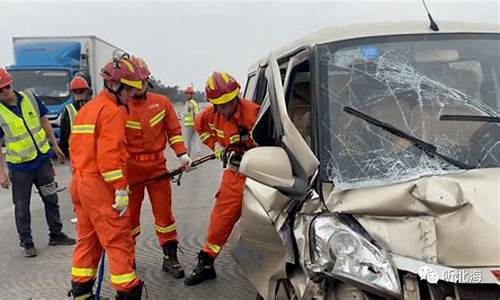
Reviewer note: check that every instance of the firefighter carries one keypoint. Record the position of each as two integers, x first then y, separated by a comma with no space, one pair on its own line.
151,124
29,144
81,94
99,188
192,110
223,126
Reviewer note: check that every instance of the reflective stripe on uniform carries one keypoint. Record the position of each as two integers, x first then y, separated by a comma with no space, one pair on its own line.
83,272
112,175
133,125
215,248
10,138
136,230
176,139
122,278
204,136
29,150
20,153
220,133
211,126
234,139
166,229
157,118
83,297
83,128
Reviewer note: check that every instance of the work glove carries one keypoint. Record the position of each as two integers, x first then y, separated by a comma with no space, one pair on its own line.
121,201
218,151
185,161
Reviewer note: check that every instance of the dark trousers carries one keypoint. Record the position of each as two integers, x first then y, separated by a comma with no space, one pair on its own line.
21,196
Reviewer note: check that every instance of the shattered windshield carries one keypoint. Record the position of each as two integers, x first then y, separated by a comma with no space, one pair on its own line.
407,82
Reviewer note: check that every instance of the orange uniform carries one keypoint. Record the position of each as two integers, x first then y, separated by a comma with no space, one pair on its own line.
151,123
213,127
98,156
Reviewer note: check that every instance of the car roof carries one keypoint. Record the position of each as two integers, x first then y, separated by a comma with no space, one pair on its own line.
339,33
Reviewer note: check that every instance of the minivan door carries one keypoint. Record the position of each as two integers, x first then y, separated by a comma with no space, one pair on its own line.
304,162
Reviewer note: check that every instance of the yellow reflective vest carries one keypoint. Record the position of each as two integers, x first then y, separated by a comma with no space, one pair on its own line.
72,112
24,136
192,111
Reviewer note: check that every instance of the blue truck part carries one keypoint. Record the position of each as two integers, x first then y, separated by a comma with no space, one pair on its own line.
46,69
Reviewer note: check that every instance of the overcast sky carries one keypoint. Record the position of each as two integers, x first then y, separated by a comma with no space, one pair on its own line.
184,42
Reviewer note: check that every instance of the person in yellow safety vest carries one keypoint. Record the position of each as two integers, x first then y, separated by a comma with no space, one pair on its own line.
82,93
192,110
27,132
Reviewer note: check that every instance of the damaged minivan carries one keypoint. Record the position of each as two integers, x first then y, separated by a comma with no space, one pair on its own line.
378,171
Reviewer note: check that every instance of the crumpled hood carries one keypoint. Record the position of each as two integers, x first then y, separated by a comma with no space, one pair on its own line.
451,219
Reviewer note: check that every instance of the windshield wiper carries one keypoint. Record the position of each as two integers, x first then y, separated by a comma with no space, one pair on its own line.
427,148
472,118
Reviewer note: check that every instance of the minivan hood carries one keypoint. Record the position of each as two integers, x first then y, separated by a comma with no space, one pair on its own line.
451,219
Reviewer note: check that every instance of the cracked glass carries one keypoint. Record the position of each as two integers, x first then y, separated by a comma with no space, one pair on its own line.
407,82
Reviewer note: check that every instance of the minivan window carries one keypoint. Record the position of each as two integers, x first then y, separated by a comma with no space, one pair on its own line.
407,82
250,87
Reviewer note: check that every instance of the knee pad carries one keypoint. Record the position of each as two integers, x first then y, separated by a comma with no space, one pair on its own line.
48,189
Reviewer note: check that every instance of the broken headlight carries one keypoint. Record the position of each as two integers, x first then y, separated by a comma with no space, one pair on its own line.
340,251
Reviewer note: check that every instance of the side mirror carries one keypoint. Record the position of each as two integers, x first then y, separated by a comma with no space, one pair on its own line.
268,165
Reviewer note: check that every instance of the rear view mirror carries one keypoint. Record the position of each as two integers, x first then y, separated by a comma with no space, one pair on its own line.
268,165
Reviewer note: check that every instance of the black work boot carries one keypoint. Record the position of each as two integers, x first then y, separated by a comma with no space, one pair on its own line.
82,290
204,270
171,264
61,239
134,294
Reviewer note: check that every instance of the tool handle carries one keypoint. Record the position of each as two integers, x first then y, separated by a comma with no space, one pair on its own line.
177,171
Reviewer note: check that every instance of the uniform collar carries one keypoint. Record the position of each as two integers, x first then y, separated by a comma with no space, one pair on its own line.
107,94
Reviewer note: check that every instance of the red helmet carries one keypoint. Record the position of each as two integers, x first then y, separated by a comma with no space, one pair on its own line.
78,83
123,70
221,88
143,68
5,78
189,91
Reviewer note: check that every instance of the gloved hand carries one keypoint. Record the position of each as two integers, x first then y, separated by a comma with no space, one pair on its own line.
121,201
185,161
218,151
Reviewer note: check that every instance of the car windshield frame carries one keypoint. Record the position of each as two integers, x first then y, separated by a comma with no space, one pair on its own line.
330,100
